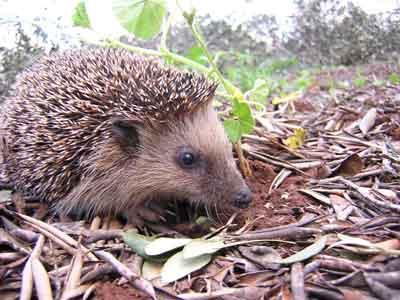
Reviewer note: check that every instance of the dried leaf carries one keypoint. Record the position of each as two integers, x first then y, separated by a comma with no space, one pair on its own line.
392,244
76,292
341,206
5,195
368,121
263,255
296,140
350,166
227,293
282,175
27,273
320,197
73,279
370,247
390,194
349,240
27,282
307,252
41,279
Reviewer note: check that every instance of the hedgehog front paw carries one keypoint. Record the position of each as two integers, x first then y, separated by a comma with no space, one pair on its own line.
139,216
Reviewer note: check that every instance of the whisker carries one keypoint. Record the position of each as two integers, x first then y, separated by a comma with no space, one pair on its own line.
196,208
217,212
209,215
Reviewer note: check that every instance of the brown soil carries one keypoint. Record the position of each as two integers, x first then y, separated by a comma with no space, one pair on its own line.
395,133
111,291
278,207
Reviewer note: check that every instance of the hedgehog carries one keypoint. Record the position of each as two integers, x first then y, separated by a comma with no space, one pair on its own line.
105,131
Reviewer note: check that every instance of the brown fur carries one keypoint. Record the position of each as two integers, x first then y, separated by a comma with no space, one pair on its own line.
58,144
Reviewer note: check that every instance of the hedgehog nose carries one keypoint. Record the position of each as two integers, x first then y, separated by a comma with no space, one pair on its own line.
243,198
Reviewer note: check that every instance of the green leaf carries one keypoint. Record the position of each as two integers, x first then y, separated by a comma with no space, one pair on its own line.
307,252
200,247
304,81
143,18
360,81
189,16
232,128
80,17
378,82
260,84
242,123
151,270
394,79
137,241
138,244
177,266
286,98
196,54
243,112
260,91
164,245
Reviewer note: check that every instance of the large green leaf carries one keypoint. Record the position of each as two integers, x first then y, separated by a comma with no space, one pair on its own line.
232,128
200,247
143,18
151,270
138,244
242,122
163,245
177,266
243,112
80,17
196,54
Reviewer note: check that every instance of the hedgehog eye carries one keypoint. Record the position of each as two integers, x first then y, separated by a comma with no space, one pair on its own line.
187,159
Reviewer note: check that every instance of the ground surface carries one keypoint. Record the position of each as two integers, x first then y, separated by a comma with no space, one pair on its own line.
343,179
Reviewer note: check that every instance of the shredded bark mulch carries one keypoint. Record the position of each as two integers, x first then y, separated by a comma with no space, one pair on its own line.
336,195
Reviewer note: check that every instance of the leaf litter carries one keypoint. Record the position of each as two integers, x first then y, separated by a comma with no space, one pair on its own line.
325,222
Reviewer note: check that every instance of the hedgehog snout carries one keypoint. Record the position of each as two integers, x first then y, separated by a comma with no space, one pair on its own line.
243,198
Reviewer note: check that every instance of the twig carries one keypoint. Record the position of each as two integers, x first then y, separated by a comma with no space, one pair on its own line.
297,282
135,279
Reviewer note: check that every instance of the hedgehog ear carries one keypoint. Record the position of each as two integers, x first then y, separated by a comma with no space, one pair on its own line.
126,132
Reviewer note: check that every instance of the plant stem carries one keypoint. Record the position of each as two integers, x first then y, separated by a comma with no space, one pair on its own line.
243,163
164,53
228,86
165,31
181,59
117,44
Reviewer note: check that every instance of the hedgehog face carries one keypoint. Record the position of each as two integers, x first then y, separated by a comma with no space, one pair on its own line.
189,159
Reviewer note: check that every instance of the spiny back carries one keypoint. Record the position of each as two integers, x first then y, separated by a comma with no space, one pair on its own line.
114,82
